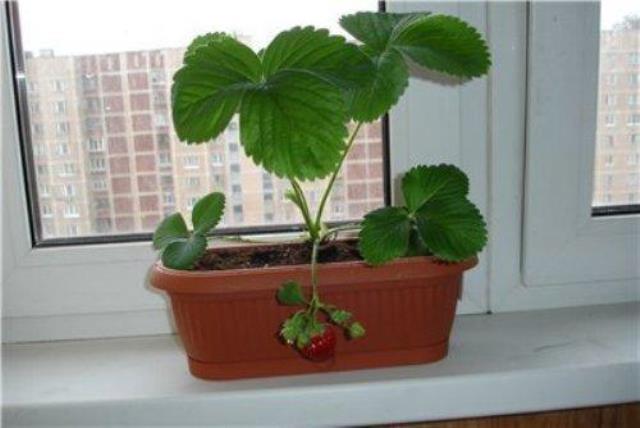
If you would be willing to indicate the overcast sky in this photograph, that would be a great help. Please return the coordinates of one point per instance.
(98, 26)
(95, 26)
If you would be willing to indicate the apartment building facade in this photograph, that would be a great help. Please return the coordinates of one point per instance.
(107, 160)
(617, 165)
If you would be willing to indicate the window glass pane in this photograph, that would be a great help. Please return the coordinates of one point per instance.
(107, 160)
(617, 163)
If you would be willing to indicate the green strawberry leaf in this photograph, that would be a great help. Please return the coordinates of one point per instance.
(391, 78)
(183, 254)
(292, 115)
(318, 52)
(290, 293)
(339, 316)
(384, 235)
(203, 40)
(417, 247)
(374, 29)
(294, 125)
(207, 213)
(428, 183)
(453, 229)
(172, 228)
(293, 326)
(208, 89)
(356, 330)
(442, 43)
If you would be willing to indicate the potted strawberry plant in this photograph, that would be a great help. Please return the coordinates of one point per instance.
(387, 298)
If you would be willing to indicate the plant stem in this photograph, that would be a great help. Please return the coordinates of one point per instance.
(332, 180)
(337, 229)
(304, 208)
(315, 299)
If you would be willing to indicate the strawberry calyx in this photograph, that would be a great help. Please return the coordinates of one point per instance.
(306, 332)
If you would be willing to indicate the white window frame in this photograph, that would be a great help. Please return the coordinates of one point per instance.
(98, 290)
(564, 256)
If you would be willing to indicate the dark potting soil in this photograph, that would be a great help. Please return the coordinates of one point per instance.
(277, 255)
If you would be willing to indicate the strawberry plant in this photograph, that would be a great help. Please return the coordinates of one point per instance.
(295, 100)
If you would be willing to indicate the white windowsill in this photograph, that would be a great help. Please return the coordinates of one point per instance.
(498, 364)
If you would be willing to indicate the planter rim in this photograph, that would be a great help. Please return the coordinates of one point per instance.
(224, 281)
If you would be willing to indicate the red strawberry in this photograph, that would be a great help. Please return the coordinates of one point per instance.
(321, 347)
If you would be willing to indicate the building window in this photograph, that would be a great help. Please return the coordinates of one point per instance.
(632, 100)
(610, 79)
(608, 141)
(71, 210)
(237, 213)
(160, 120)
(60, 107)
(97, 165)
(633, 120)
(216, 159)
(157, 76)
(192, 182)
(608, 182)
(45, 190)
(72, 230)
(68, 190)
(191, 162)
(99, 184)
(168, 198)
(37, 130)
(634, 58)
(92, 105)
(191, 202)
(164, 158)
(46, 210)
(62, 149)
(236, 190)
(58, 85)
(609, 161)
(610, 120)
(633, 159)
(62, 129)
(268, 217)
(67, 169)
(96, 145)
(610, 100)
(634, 79)
(102, 204)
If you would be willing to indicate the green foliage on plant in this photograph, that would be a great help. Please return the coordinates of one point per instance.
(436, 42)
(295, 99)
(437, 210)
(181, 248)
(303, 325)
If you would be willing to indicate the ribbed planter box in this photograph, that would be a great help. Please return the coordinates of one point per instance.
(229, 320)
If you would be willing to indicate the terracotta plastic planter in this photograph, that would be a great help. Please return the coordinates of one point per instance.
(229, 320)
